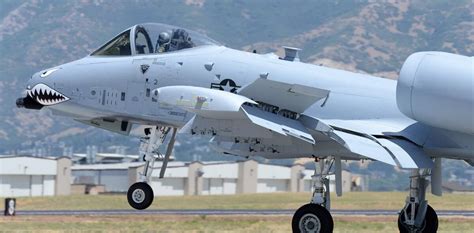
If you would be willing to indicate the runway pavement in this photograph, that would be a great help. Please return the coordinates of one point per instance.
(227, 212)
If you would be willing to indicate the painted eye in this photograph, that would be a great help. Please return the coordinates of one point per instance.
(48, 72)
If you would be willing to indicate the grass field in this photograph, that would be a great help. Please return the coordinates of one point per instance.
(205, 224)
(351, 200)
(151, 223)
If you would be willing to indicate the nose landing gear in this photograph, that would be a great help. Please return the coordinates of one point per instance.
(140, 195)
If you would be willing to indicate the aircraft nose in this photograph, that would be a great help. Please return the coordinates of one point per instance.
(28, 101)
(40, 93)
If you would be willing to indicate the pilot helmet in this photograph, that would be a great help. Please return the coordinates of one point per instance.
(164, 38)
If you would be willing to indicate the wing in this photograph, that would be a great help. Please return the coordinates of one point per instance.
(249, 124)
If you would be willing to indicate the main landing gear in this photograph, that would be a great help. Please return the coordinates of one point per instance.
(417, 215)
(140, 195)
(315, 216)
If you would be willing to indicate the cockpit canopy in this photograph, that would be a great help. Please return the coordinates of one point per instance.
(152, 38)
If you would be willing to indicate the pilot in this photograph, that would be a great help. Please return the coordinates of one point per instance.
(181, 40)
(163, 42)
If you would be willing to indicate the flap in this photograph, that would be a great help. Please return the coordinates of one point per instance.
(366, 147)
(404, 127)
(293, 97)
(203, 101)
(408, 154)
(395, 152)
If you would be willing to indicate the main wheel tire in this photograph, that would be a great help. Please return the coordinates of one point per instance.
(429, 225)
(312, 218)
(140, 195)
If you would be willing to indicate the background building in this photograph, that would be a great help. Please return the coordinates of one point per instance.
(208, 178)
(34, 176)
(39, 176)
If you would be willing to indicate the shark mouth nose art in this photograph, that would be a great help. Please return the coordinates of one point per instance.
(46, 95)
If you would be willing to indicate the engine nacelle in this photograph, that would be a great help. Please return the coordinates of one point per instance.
(437, 89)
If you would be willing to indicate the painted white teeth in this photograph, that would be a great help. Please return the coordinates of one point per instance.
(45, 95)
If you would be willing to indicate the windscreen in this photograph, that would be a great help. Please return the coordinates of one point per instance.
(119, 46)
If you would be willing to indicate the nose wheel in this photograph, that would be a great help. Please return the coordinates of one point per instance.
(312, 218)
(140, 195)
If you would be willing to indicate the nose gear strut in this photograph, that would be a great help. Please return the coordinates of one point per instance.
(140, 195)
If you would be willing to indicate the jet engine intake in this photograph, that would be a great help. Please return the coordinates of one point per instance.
(437, 89)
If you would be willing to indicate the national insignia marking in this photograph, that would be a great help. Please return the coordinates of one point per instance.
(226, 85)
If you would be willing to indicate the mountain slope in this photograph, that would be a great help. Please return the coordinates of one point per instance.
(363, 36)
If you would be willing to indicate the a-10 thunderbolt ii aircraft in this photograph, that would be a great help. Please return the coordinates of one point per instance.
(153, 80)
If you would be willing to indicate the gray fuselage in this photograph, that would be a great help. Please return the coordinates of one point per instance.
(122, 87)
